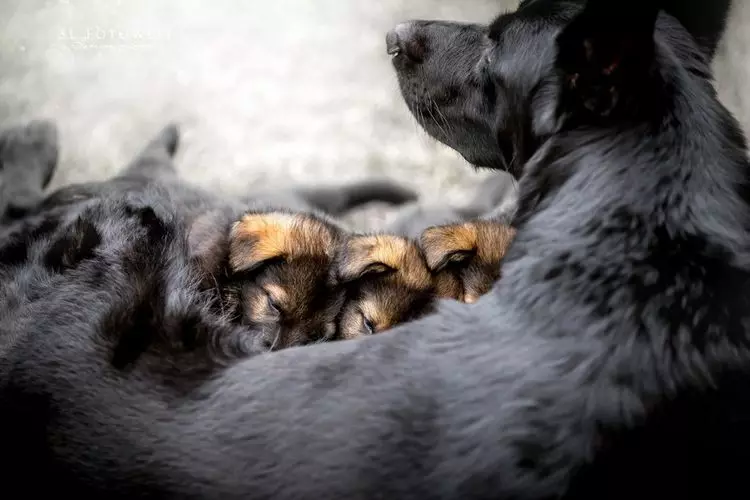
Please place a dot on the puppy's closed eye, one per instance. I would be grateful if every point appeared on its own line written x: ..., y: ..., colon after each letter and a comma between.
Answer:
x: 275, y: 296
x: 387, y: 282
x: 368, y: 325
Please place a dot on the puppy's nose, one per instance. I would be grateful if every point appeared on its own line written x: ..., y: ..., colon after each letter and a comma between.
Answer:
x: 269, y: 341
x: 403, y: 39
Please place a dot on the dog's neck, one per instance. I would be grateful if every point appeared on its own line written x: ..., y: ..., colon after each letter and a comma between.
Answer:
x: 690, y: 166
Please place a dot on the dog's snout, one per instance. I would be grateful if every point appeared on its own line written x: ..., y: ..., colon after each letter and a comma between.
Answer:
x: 392, y: 42
x: 404, y: 39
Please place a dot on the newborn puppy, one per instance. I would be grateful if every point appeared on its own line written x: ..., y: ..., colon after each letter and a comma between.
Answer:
x: 28, y: 158
x: 272, y: 270
x: 386, y: 281
x: 465, y: 258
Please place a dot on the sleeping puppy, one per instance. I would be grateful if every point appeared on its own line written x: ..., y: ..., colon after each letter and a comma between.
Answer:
x: 386, y: 282
x: 28, y: 159
x: 272, y: 270
x: 466, y: 258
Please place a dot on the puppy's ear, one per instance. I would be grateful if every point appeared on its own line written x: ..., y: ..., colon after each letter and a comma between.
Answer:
x: 484, y: 241
x: 447, y: 245
x: 368, y: 255
x: 208, y: 241
x: 606, y: 53
x: 261, y: 237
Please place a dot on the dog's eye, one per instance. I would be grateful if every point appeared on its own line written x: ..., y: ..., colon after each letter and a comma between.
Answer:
x: 369, y: 327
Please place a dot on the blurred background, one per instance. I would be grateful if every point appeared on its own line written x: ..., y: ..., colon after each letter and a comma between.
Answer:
x: 268, y: 92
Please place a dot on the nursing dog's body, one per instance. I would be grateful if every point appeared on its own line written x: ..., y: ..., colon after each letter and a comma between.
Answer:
x: 609, y: 362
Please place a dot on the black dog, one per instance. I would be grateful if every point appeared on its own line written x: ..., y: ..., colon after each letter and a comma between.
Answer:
x: 269, y: 256
x: 609, y: 362
x: 444, y: 71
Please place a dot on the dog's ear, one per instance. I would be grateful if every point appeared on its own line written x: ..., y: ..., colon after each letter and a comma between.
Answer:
x: 705, y: 20
x: 208, y: 241
x: 606, y: 52
x: 485, y: 241
x: 368, y: 255
x: 383, y: 255
x: 258, y: 238
x: 447, y: 245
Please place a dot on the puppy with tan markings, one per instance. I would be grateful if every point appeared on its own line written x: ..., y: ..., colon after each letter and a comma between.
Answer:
x: 272, y: 271
x: 386, y: 282
x: 279, y: 276
x: 465, y: 258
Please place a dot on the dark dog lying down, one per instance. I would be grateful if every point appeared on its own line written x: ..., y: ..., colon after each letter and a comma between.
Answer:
x: 269, y: 255
x: 609, y: 361
x: 294, y: 275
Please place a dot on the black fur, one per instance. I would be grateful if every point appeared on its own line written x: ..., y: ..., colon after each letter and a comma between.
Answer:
x: 610, y: 361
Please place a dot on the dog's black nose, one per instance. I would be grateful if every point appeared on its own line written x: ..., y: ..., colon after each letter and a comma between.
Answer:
x: 404, y: 39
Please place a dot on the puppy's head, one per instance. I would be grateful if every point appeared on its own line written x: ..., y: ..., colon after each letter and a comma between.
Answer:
x: 386, y: 281
x: 279, y: 276
x: 495, y: 92
x: 465, y: 258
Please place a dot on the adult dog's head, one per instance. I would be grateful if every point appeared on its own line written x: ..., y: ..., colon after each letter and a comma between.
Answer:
x: 491, y: 92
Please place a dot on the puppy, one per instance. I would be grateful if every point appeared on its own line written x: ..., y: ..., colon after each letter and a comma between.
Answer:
x: 28, y: 159
x: 466, y: 258
x: 272, y: 270
x: 386, y: 282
